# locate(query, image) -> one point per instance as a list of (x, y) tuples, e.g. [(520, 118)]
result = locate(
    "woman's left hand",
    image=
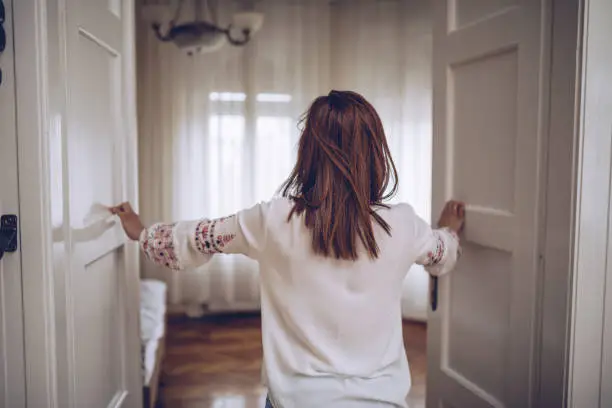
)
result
[(130, 221), (453, 216)]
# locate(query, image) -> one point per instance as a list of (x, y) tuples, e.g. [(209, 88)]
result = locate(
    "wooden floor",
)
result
[(216, 362)]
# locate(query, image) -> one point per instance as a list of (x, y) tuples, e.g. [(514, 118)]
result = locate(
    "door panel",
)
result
[(12, 368), (96, 320), (487, 104), (463, 13), (95, 177), (99, 345)]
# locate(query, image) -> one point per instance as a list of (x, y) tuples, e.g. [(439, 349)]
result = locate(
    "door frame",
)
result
[(557, 202), (588, 299), (33, 99), (590, 336), (32, 119), (12, 350)]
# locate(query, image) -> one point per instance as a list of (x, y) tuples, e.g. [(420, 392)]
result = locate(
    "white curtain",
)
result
[(382, 49), (218, 131)]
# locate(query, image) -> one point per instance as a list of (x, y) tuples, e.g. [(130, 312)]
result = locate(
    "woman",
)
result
[(332, 256)]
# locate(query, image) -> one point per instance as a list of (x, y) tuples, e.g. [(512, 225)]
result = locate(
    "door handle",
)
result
[(8, 234), (433, 293)]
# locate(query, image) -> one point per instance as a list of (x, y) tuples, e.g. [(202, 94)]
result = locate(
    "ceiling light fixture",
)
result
[(201, 35)]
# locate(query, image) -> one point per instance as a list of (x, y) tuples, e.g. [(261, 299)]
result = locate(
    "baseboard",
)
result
[(182, 310)]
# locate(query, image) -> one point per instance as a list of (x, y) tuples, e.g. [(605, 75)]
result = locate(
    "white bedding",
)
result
[(149, 351), (152, 323)]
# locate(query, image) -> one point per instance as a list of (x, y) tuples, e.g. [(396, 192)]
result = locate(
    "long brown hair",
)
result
[(342, 174)]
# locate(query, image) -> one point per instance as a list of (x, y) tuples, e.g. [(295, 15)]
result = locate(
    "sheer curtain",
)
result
[(218, 131), (383, 50)]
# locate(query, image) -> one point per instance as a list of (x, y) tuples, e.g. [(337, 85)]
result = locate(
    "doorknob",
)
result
[(8, 234)]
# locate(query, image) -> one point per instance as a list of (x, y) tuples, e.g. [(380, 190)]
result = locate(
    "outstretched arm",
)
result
[(189, 244), (439, 249)]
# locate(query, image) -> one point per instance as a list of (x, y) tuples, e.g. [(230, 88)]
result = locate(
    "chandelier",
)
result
[(202, 35)]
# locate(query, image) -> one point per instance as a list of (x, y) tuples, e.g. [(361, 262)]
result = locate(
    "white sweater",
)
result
[(332, 329)]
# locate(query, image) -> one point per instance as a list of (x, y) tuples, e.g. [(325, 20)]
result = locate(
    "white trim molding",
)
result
[(590, 364), (33, 154), (558, 210), (132, 259)]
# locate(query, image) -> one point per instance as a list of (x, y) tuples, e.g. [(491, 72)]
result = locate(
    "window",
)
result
[(250, 148), (225, 163), (274, 154)]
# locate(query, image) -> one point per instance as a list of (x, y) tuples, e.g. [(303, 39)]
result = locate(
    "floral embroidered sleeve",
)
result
[(190, 244), (439, 251), (435, 249)]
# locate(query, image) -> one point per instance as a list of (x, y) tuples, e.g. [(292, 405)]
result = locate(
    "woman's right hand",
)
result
[(453, 216), (129, 220)]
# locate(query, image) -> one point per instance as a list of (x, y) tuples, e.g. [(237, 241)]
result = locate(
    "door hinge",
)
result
[(2, 31), (8, 234)]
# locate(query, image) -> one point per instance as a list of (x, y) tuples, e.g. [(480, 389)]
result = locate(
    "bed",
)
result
[(152, 337)]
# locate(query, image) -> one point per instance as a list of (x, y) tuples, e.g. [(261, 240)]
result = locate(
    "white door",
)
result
[(488, 80), (97, 272), (12, 368)]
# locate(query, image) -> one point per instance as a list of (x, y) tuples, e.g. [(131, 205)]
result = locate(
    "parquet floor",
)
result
[(215, 362)]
